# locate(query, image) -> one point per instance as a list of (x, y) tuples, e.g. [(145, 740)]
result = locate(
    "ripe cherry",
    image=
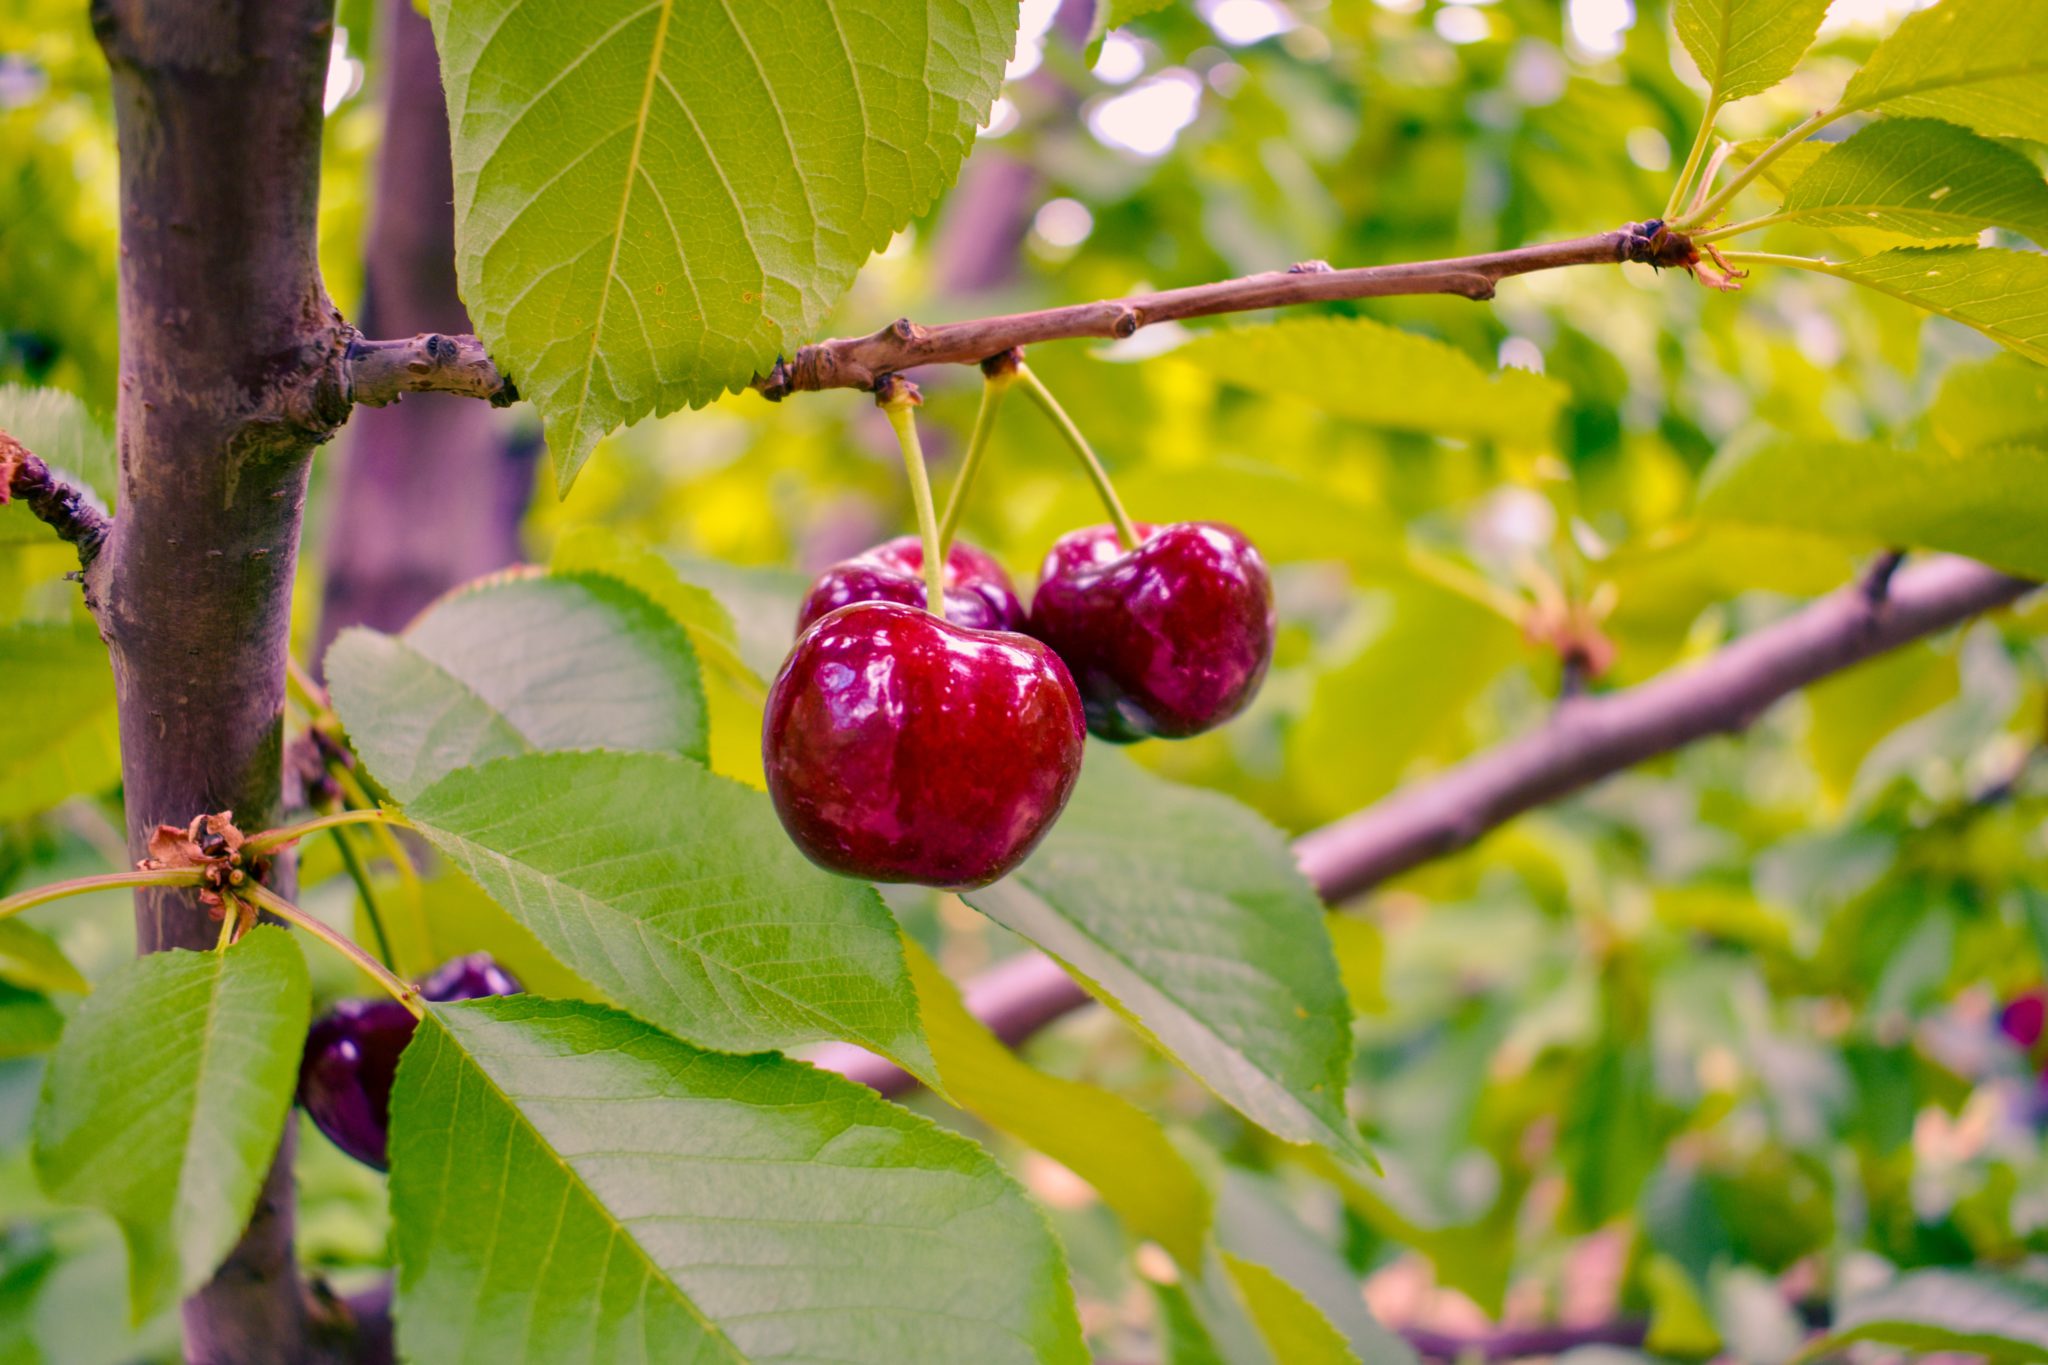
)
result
[(1167, 639), (352, 1056), (978, 593), (903, 748)]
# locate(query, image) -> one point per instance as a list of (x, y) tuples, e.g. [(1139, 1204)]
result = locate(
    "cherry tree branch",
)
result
[(376, 373), (857, 362), (1586, 739), (379, 372), (69, 511)]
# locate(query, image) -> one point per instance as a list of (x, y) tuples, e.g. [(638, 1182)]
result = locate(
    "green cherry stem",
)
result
[(898, 397), (106, 881), (263, 897), (277, 838), (360, 875), (993, 388), (1033, 385)]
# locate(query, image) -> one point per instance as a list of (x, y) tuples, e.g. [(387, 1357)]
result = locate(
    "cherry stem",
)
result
[(992, 391), (271, 839), (404, 993), (1033, 385), (360, 875), (106, 881), (899, 404)]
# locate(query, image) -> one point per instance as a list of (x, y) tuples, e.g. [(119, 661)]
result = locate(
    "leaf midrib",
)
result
[(611, 268)]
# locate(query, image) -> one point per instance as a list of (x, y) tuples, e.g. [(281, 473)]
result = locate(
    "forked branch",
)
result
[(1587, 739), (376, 373)]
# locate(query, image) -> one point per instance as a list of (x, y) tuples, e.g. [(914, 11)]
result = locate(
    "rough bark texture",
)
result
[(228, 353), (430, 491)]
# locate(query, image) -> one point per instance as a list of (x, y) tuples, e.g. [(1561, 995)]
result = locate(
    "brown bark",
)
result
[(229, 355), (429, 492)]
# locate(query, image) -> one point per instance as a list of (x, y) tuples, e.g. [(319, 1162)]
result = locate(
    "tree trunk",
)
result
[(430, 491), (229, 349)]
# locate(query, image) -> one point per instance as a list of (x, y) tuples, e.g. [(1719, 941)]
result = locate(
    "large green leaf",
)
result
[(1999, 400), (56, 682), (1744, 47), (166, 1099), (58, 428), (518, 664), (1294, 1329), (1186, 912), (569, 1185), (1981, 63), (676, 893), (1989, 505), (733, 691), (31, 959), (29, 1024), (1975, 1311), (654, 198), (1405, 380), (1922, 178), (2003, 294), (1105, 1139)]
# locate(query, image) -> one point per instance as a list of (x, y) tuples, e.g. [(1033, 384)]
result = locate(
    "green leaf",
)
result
[(55, 679), (166, 1099), (29, 1024), (569, 1184), (1744, 47), (1294, 1328), (733, 692), (1109, 1142), (31, 959), (58, 428), (1114, 14), (2003, 294), (676, 893), (1607, 1139), (1852, 712), (1988, 505), (1980, 1312), (2000, 400), (515, 664), (1921, 178), (1186, 912), (1410, 382), (1980, 63), (653, 199)]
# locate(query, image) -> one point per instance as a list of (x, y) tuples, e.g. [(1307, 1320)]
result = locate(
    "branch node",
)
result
[(377, 373), (65, 508), (1127, 321), (1003, 362), (1309, 268), (1876, 581)]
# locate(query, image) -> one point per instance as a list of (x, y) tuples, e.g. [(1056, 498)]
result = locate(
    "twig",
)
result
[(857, 362), (106, 881), (284, 834), (69, 511), (380, 372), (1588, 738)]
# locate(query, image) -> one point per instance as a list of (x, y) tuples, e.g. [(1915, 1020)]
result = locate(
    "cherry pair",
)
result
[(900, 747), (352, 1054)]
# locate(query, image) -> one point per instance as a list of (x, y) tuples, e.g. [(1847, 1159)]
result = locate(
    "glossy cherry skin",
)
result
[(352, 1054), (903, 748), (1169, 639), (978, 593)]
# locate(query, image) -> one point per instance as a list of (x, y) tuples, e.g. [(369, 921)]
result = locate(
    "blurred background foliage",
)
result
[(1708, 1046)]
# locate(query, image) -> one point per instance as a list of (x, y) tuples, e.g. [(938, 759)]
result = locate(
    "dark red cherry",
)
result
[(978, 593), (903, 748), (1168, 639), (2025, 1018), (352, 1054)]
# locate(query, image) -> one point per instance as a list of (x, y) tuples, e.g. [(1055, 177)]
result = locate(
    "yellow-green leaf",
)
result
[(1921, 178), (1744, 47), (1980, 63)]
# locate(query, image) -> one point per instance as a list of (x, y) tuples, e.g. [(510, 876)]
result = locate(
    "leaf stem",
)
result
[(1737, 229), (1813, 263), (105, 881), (271, 839), (1700, 142), (310, 693), (992, 390), (400, 857), (405, 994), (1033, 385), (360, 875), (1758, 164), (900, 402)]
